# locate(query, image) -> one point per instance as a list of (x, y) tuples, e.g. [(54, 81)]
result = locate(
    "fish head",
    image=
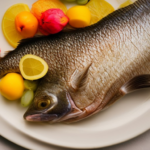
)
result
[(50, 104)]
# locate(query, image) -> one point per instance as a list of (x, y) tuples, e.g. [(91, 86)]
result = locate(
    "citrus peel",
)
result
[(32, 67)]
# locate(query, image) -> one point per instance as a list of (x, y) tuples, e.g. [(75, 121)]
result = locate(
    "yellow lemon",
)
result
[(8, 24), (79, 16), (12, 86), (33, 67), (99, 9)]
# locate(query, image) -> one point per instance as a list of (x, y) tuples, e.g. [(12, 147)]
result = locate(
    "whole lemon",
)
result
[(12, 86), (79, 16)]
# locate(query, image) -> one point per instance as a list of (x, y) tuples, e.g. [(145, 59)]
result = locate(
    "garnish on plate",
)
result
[(27, 98), (28, 94), (12, 86), (79, 16), (41, 6), (126, 3), (33, 67), (8, 23), (80, 2), (99, 9), (26, 24), (52, 21)]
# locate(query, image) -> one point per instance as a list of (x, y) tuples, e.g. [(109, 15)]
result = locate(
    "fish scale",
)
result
[(93, 66)]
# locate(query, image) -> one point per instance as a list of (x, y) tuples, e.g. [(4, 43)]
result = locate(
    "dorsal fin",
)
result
[(4, 54), (29, 40), (22, 43), (78, 79), (68, 28), (138, 82)]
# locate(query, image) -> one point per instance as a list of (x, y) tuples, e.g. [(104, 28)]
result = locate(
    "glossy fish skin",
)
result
[(93, 66)]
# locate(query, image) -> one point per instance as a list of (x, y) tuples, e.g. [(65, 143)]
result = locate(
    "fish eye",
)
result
[(44, 104)]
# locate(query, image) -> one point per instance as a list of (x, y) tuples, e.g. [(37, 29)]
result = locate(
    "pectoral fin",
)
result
[(138, 82), (79, 78)]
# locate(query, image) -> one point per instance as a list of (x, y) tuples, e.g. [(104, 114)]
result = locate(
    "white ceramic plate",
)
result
[(124, 120)]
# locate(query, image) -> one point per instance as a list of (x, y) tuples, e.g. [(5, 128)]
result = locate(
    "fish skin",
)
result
[(104, 56)]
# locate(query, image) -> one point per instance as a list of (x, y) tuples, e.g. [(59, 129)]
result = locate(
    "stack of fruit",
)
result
[(14, 87), (50, 17)]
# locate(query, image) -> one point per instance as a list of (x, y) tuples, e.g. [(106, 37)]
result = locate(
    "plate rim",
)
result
[(10, 138), (143, 129), (141, 119)]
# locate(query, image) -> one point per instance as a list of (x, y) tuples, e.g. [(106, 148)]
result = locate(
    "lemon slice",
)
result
[(99, 9), (126, 3), (33, 67), (8, 23)]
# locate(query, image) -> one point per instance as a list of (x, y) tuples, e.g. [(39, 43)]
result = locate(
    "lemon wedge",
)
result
[(99, 9), (32, 67), (8, 23)]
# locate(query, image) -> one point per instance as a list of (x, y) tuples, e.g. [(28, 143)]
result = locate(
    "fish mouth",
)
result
[(41, 117)]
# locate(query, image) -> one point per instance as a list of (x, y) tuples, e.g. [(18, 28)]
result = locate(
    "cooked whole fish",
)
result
[(89, 68)]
